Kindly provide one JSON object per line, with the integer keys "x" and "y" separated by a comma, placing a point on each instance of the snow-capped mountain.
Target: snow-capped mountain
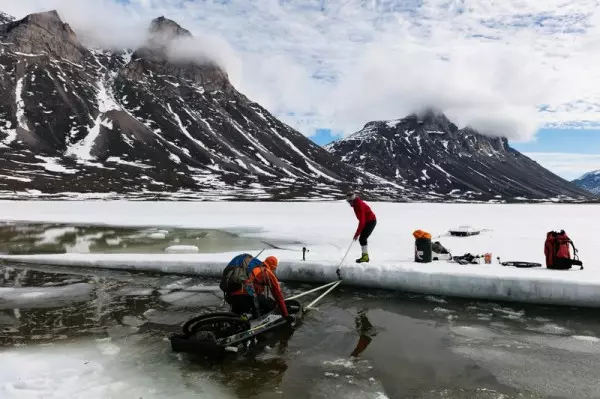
{"x": 83, "y": 120}
{"x": 430, "y": 153}
{"x": 590, "y": 182}
{"x": 77, "y": 121}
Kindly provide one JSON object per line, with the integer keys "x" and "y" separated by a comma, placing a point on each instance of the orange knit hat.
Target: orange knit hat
{"x": 271, "y": 262}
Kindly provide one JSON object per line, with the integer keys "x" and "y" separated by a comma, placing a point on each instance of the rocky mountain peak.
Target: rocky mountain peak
{"x": 161, "y": 120}
{"x": 44, "y": 33}
{"x": 425, "y": 150}
{"x": 170, "y": 51}
{"x": 589, "y": 181}
{"x": 431, "y": 117}
{"x": 168, "y": 29}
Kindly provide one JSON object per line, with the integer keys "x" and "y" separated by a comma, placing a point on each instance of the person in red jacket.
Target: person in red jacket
{"x": 262, "y": 279}
{"x": 366, "y": 223}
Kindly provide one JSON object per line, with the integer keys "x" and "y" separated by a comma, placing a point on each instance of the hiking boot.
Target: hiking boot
{"x": 363, "y": 258}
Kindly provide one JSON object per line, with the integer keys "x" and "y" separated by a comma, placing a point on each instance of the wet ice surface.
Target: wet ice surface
{"x": 102, "y": 334}
{"x": 26, "y": 238}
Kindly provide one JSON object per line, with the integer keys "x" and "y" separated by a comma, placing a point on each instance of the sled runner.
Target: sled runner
{"x": 464, "y": 231}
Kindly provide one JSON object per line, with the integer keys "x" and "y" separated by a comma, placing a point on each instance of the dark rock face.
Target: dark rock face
{"x": 44, "y": 33}
{"x": 167, "y": 29}
{"x": 590, "y": 182}
{"x": 83, "y": 120}
{"x": 430, "y": 153}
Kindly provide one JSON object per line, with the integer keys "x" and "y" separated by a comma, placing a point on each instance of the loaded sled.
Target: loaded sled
{"x": 464, "y": 231}
{"x": 215, "y": 334}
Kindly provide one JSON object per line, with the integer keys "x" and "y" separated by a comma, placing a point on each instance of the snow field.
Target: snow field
{"x": 514, "y": 232}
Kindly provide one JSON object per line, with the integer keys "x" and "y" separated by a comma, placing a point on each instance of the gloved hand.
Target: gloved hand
{"x": 289, "y": 319}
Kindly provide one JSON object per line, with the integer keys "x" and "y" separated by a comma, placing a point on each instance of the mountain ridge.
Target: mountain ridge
{"x": 589, "y": 181}
{"x": 125, "y": 121}
{"x": 427, "y": 150}
{"x": 79, "y": 121}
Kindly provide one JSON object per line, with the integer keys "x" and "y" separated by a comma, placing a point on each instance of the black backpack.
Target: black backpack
{"x": 438, "y": 248}
{"x": 237, "y": 272}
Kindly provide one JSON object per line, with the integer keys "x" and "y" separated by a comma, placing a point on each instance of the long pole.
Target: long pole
{"x": 310, "y": 305}
{"x": 263, "y": 250}
{"x": 313, "y": 290}
{"x": 343, "y": 259}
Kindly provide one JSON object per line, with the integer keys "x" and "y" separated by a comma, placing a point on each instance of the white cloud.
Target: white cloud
{"x": 567, "y": 165}
{"x": 341, "y": 63}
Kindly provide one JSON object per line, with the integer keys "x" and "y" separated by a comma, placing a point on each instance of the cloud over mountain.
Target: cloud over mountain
{"x": 504, "y": 68}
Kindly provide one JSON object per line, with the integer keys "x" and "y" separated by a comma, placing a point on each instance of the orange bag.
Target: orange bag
{"x": 420, "y": 234}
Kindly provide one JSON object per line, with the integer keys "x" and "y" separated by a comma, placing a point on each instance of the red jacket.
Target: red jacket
{"x": 364, "y": 214}
{"x": 262, "y": 277}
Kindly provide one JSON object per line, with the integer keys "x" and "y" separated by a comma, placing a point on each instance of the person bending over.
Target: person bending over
{"x": 262, "y": 280}
{"x": 366, "y": 223}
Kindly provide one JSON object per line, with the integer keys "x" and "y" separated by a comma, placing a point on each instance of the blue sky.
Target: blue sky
{"x": 522, "y": 69}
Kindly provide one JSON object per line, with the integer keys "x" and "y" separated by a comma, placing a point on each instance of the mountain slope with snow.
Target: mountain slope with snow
{"x": 77, "y": 119}
{"x": 4, "y": 18}
{"x": 590, "y": 182}
{"x": 428, "y": 152}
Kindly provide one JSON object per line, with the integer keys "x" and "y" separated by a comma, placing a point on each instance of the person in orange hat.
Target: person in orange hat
{"x": 262, "y": 280}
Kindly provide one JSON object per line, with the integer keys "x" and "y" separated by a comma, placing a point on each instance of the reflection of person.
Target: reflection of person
{"x": 362, "y": 344}
{"x": 365, "y": 329}
{"x": 366, "y": 223}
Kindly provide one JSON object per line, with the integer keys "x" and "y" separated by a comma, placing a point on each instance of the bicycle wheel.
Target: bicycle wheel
{"x": 217, "y": 327}
{"x": 186, "y": 328}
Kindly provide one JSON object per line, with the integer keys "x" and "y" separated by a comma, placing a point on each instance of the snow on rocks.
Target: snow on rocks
{"x": 20, "y": 108}
{"x": 51, "y": 165}
{"x": 106, "y": 103}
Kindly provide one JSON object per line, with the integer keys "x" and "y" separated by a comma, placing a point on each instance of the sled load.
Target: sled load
{"x": 238, "y": 272}
{"x": 557, "y": 250}
{"x": 215, "y": 334}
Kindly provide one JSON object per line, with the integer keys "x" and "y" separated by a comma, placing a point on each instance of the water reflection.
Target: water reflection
{"x": 366, "y": 332}
{"x": 400, "y": 344}
{"x": 44, "y": 238}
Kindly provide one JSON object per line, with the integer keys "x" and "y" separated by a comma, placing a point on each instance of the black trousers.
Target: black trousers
{"x": 241, "y": 304}
{"x": 369, "y": 227}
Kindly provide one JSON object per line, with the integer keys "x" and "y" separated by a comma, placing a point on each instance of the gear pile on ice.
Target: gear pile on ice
{"x": 467, "y": 259}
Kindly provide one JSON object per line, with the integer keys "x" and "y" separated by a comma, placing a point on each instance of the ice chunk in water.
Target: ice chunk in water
{"x": 185, "y": 299}
{"x": 97, "y": 370}
{"x": 182, "y": 249}
{"x": 43, "y": 297}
